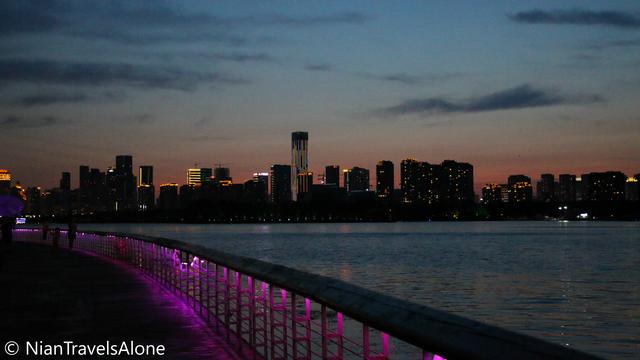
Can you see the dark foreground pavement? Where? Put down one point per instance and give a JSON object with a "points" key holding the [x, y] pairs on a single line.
{"points": [[54, 295]]}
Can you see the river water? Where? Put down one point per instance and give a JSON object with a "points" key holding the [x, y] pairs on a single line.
{"points": [[573, 283]]}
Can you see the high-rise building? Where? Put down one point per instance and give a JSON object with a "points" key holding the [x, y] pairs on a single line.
{"points": [[299, 162], [125, 184], [65, 182], [567, 188], [280, 183], [431, 189], [5, 181], [384, 179], [457, 182], [197, 176], [604, 186], [146, 189], [257, 189], [222, 174], [491, 194], [304, 183], [83, 178], [124, 164], [411, 178], [145, 176], [545, 189], [332, 175], [168, 199], [520, 189], [631, 191], [356, 179]]}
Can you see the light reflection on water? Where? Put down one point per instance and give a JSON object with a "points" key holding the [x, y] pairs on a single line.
{"points": [[571, 283]]}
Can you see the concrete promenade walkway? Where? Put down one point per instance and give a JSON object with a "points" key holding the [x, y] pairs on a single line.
{"points": [[54, 295]]}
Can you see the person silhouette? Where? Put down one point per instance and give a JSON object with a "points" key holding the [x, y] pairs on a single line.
{"points": [[71, 233], [56, 237], [45, 230], [7, 230]]}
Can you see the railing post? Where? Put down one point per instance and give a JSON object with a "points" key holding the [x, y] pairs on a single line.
{"points": [[324, 333], [365, 342]]}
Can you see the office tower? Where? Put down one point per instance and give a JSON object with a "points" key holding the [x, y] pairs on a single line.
{"points": [[631, 192], [567, 185], [125, 184], [504, 193], [5, 181], [457, 182], [168, 199], [145, 176], [520, 189], [83, 177], [146, 189], [299, 162], [604, 186], [356, 179], [280, 183], [332, 175], [545, 189], [198, 176], [431, 186], [304, 183], [384, 179], [194, 176], [257, 188], [410, 180], [124, 164], [65, 182], [491, 194]]}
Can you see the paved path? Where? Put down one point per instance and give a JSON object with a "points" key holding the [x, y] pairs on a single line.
{"points": [[56, 295]]}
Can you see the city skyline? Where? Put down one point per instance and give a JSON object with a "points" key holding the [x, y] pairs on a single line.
{"points": [[512, 88]]}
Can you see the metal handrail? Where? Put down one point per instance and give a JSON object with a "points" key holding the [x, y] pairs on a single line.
{"points": [[434, 331]]}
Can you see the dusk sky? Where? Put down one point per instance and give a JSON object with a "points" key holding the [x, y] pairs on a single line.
{"points": [[511, 87]]}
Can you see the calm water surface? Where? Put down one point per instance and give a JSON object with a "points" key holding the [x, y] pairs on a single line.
{"points": [[576, 284]]}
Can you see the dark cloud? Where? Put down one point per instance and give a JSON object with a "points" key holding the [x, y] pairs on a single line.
{"points": [[202, 122], [99, 74], [144, 118], [629, 20], [524, 96], [408, 79], [18, 17], [145, 23], [319, 67], [626, 43], [53, 98], [11, 122]]}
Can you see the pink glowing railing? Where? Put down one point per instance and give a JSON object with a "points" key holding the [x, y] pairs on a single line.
{"points": [[268, 311]]}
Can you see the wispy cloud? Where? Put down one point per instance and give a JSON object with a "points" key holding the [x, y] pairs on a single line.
{"points": [[611, 44], [319, 67], [98, 74], [54, 98], [524, 96], [409, 79], [208, 138], [619, 19], [11, 122]]}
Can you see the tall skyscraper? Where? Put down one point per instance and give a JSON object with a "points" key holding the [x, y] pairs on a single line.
{"points": [[83, 178], [520, 189], [567, 185], [299, 162], [145, 176], [410, 179], [491, 194], [545, 189], [65, 182], [124, 165], [332, 175], [222, 174], [457, 182], [604, 186], [168, 199], [356, 179], [280, 179], [197, 176], [631, 192], [146, 189], [125, 184], [384, 179]]}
